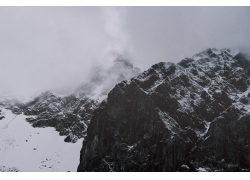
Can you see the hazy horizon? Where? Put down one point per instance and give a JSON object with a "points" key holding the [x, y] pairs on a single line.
{"points": [[44, 48]]}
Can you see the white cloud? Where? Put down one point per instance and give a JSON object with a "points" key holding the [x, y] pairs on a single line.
{"points": [[55, 47]]}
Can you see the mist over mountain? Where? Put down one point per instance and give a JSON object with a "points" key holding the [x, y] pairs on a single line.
{"points": [[124, 89], [45, 48], [188, 116], [70, 112]]}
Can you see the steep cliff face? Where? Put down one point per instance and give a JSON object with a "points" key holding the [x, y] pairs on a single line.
{"points": [[226, 147], [165, 118], [122, 136]]}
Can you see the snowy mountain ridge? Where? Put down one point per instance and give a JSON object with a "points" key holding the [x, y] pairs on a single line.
{"points": [[175, 117]]}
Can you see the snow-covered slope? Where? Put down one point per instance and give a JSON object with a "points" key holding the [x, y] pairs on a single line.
{"points": [[24, 148]]}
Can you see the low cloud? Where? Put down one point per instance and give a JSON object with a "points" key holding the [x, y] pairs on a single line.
{"points": [[55, 47]]}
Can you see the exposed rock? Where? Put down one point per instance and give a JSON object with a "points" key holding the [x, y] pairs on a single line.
{"points": [[174, 117], [1, 117]]}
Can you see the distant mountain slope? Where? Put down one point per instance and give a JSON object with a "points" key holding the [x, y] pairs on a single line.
{"points": [[71, 114], [190, 116]]}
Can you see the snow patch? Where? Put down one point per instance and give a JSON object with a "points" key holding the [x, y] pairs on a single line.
{"points": [[201, 134], [131, 147], [244, 93], [201, 169], [206, 89], [168, 64], [218, 91], [169, 122]]}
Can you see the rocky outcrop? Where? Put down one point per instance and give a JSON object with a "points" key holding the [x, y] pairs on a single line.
{"points": [[68, 115], [1, 116], [174, 117]]}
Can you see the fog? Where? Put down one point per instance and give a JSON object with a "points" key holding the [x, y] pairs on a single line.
{"points": [[55, 47]]}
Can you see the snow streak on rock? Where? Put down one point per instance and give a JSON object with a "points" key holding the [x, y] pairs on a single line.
{"points": [[197, 114]]}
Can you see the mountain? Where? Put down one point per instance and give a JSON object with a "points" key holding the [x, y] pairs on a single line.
{"points": [[189, 116], [70, 114]]}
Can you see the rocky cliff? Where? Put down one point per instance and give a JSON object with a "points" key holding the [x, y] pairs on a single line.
{"points": [[190, 116]]}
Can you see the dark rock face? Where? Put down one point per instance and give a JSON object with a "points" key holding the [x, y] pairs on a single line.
{"points": [[226, 144], [188, 116], [132, 120]]}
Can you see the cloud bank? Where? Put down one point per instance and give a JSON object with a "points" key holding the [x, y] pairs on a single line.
{"points": [[55, 47]]}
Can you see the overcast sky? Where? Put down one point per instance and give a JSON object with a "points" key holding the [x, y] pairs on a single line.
{"points": [[54, 47]]}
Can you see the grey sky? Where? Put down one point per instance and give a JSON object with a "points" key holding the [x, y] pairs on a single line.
{"points": [[54, 47]]}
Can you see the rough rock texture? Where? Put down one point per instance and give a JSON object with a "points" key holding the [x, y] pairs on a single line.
{"points": [[189, 116], [132, 119], [225, 147], [69, 115]]}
